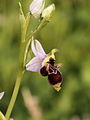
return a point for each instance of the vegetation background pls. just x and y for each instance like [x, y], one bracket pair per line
[69, 31]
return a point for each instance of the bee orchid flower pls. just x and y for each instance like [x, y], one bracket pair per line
[44, 63]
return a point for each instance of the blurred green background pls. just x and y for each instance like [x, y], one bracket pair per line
[69, 31]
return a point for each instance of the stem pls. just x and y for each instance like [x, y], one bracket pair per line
[18, 81]
[14, 95]
[41, 25]
[22, 58]
[19, 77]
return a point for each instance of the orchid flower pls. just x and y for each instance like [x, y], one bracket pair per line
[1, 95]
[44, 63]
[36, 7]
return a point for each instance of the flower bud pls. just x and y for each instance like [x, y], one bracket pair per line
[36, 7]
[47, 12]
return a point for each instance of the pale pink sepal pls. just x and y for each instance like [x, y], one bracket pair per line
[1, 95]
[37, 48]
[34, 65]
[34, 48]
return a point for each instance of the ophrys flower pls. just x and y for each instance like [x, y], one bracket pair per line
[45, 64]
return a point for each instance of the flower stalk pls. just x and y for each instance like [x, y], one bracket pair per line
[14, 95]
[24, 25]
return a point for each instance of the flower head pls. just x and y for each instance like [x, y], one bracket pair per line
[44, 63]
[36, 7]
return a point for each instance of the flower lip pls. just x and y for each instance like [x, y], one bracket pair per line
[44, 71]
[55, 78]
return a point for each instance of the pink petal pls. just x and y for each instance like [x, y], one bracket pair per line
[37, 49]
[34, 65]
[33, 48]
[1, 95]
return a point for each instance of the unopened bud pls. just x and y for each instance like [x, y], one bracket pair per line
[36, 7]
[47, 12]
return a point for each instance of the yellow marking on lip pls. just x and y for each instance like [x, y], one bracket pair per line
[53, 51]
[57, 88]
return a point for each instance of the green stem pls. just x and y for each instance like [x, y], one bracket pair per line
[41, 25]
[18, 81]
[22, 58]
[14, 95]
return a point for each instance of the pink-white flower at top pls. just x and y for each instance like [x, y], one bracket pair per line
[36, 63]
[1, 95]
[36, 7]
